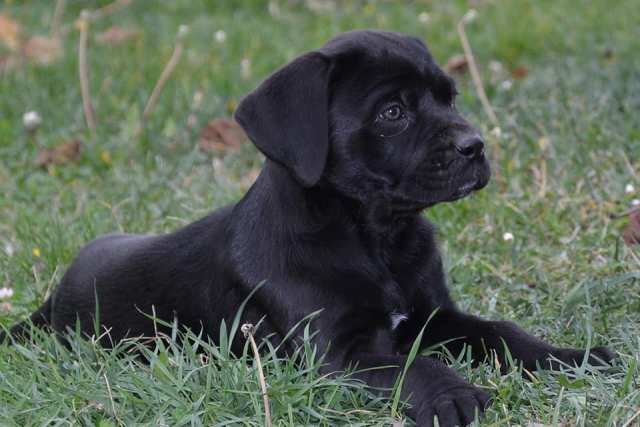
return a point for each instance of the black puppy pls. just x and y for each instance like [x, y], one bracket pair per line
[360, 136]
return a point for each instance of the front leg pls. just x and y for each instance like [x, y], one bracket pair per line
[484, 336]
[420, 273]
[432, 389]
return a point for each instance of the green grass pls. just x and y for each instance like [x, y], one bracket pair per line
[568, 146]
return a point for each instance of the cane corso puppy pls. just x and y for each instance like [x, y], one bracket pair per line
[360, 136]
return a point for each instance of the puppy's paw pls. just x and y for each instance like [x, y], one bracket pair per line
[455, 407]
[598, 356]
[601, 356]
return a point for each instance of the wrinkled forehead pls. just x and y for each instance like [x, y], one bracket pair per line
[369, 59]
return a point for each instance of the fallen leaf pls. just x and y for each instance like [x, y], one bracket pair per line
[5, 307]
[631, 233]
[7, 63]
[520, 72]
[116, 35]
[62, 153]
[457, 64]
[220, 135]
[9, 32]
[42, 50]
[36, 49]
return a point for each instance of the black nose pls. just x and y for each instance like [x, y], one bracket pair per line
[470, 147]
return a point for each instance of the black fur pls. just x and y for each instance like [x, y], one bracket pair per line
[360, 136]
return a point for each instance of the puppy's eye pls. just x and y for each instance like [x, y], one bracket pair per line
[392, 113]
[391, 120]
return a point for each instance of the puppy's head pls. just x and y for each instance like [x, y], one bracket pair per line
[371, 115]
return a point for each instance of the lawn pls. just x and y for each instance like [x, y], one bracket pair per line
[538, 245]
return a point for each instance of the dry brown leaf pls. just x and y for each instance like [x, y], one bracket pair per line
[520, 72]
[8, 63]
[42, 50]
[116, 35]
[5, 307]
[9, 32]
[631, 233]
[62, 153]
[457, 64]
[37, 49]
[220, 135]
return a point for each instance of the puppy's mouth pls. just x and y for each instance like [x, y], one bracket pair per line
[464, 191]
[464, 180]
[406, 206]
[479, 181]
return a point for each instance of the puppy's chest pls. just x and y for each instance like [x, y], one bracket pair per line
[387, 337]
[396, 318]
[391, 300]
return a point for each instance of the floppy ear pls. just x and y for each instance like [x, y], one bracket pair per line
[286, 117]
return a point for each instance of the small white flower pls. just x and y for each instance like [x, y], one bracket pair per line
[470, 16]
[218, 166]
[245, 68]
[496, 66]
[496, 131]
[6, 293]
[182, 31]
[506, 85]
[635, 202]
[507, 236]
[8, 249]
[629, 189]
[424, 17]
[220, 36]
[31, 120]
